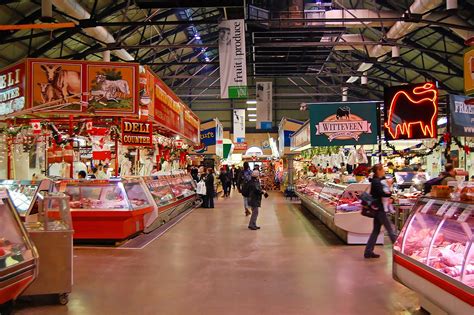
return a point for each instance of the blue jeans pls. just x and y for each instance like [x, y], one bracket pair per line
[379, 220]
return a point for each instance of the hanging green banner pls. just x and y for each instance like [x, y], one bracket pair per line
[343, 123]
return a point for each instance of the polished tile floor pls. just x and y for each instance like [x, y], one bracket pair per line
[210, 263]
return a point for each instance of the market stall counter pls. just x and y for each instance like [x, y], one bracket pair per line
[434, 255]
[18, 256]
[338, 207]
[106, 209]
[172, 194]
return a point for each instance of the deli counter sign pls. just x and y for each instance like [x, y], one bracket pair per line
[411, 111]
[343, 123]
[137, 133]
[12, 89]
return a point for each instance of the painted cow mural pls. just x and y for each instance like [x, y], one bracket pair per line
[412, 112]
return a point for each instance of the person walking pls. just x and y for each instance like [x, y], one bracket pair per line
[255, 199]
[242, 185]
[380, 218]
[224, 177]
[233, 178]
[210, 191]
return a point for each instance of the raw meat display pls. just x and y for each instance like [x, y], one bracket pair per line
[453, 238]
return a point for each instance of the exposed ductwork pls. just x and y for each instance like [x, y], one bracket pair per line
[75, 10]
[398, 30]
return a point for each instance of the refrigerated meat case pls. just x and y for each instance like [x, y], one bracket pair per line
[434, 255]
[18, 255]
[24, 194]
[338, 207]
[172, 195]
[112, 209]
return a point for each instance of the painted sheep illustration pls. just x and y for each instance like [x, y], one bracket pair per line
[422, 111]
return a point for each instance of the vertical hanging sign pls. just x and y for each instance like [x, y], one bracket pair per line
[239, 125]
[264, 105]
[232, 62]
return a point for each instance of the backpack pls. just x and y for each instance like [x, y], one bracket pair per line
[432, 182]
[245, 190]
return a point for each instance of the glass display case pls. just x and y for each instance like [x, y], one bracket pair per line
[181, 187]
[160, 189]
[439, 235]
[24, 192]
[107, 209]
[136, 194]
[18, 256]
[338, 206]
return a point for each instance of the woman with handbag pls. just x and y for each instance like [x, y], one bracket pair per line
[380, 217]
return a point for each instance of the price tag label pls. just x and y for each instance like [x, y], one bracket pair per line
[465, 214]
[452, 210]
[427, 206]
[443, 208]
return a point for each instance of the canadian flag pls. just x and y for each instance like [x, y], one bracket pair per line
[88, 125]
[36, 125]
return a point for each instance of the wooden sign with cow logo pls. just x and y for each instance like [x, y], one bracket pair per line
[411, 111]
[112, 87]
[345, 123]
[57, 85]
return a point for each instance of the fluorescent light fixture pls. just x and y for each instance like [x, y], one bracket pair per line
[252, 108]
[442, 121]
[252, 115]
[251, 102]
[252, 119]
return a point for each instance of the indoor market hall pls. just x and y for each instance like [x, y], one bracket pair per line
[211, 263]
[221, 157]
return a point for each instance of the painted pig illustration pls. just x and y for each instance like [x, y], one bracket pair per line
[420, 107]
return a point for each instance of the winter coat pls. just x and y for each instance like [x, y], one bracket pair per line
[209, 180]
[255, 193]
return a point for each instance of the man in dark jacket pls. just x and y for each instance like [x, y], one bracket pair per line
[255, 199]
[244, 176]
[210, 192]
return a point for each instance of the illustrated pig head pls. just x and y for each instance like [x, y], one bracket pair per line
[417, 108]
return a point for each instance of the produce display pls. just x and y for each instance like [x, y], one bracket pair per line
[438, 235]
